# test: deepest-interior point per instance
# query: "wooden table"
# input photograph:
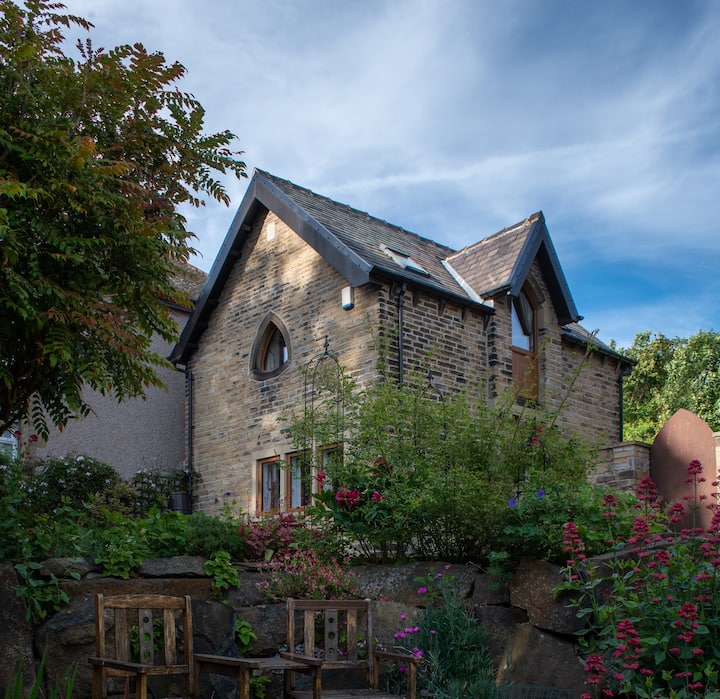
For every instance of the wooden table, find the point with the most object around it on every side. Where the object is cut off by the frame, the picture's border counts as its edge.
(242, 668)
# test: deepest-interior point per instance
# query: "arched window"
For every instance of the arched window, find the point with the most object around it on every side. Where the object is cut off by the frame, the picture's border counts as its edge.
(524, 347)
(272, 350)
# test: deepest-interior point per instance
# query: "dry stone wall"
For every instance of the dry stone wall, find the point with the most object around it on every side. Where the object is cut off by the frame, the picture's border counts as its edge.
(531, 633)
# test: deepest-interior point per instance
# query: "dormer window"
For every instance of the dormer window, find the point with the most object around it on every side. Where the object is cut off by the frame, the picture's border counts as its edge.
(524, 347)
(272, 350)
(404, 260)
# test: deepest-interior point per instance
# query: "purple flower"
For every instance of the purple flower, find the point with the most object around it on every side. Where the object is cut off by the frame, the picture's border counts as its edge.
(540, 493)
(422, 591)
(513, 502)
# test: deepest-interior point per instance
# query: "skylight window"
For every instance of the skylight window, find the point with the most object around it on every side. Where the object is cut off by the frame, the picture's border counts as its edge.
(404, 260)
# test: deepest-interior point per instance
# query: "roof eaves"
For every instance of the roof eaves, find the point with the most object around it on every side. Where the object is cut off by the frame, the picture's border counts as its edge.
(261, 192)
(344, 260)
(584, 338)
(537, 240)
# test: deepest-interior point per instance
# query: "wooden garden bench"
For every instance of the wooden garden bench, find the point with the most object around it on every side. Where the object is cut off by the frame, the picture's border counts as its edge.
(338, 634)
(136, 637)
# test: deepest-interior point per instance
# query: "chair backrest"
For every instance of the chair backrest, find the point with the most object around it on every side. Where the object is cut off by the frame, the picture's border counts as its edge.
(143, 629)
(339, 632)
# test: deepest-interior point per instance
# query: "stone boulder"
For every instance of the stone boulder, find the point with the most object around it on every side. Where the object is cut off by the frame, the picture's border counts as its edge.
(532, 589)
(536, 658)
(400, 583)
(16, 633)
(67, 639)
(268, 624)
(387, 621)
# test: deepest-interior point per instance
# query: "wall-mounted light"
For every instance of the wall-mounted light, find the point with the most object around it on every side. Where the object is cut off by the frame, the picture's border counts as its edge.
(348, 298)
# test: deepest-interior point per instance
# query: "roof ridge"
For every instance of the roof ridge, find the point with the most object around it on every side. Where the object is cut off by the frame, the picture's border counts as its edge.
(538, 215)
(342, 205)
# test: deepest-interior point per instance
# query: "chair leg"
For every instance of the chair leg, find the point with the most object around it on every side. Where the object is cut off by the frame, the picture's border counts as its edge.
(244, 677)
(141, 687)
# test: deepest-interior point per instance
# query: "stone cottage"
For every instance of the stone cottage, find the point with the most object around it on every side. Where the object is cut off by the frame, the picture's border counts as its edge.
(298, 269)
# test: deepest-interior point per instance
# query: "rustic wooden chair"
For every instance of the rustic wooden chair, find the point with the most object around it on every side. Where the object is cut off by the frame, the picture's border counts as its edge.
(339, 634)
(136, 637)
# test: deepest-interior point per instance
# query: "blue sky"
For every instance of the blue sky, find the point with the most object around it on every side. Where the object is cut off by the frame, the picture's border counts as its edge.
(457, 118)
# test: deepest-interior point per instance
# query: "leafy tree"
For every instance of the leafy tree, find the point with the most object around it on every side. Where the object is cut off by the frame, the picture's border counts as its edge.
(669, 375)
(96, 155)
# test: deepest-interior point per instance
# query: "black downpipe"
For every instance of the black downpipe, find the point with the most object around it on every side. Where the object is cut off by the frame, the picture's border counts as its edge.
(401, 334)
(189, 379)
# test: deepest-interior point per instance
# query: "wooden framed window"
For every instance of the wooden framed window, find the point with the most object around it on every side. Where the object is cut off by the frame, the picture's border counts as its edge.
(299, 480)
(328, 457)
(524, 347)
(271, 350)
(268, 479)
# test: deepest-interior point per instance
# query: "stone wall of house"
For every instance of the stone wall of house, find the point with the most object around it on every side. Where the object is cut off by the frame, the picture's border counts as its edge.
(439, 337)
(584, 389)
(589, 385)
(235, 414)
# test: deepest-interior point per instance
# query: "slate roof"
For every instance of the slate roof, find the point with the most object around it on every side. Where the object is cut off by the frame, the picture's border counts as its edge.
(351, 242)
(501, 263)
(363, 234)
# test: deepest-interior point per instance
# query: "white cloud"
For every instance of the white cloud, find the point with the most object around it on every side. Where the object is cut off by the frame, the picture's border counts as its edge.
(455, 119)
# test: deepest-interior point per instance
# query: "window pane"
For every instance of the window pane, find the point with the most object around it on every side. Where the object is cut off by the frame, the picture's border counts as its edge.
(270, 486)
(523, 323)
(299, 482)
(275, 354)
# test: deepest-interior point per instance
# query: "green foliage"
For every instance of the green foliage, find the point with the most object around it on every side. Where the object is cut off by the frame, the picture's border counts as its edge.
(98, 153)
(222, 571)
(670, 374)
(244, 635)
(653, 611)
(42, 594)
(75, 481)
(62, 688)
(453, 644)
(535, 521)
(429, 475)
(204, 535)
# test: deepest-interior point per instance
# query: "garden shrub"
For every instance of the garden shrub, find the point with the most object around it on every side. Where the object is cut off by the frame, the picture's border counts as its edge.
(74, 481)
(204, 535)
(654, 619)
(534, 520)
(304, 575)
(430, 476)
(453, 644)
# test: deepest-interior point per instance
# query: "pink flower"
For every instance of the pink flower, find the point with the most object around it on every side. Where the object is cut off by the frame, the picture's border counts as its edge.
(377, 496)
(346, 498)
(422, 591)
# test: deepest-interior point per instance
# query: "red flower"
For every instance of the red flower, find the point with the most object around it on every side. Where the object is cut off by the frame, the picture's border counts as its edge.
(346, 498)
